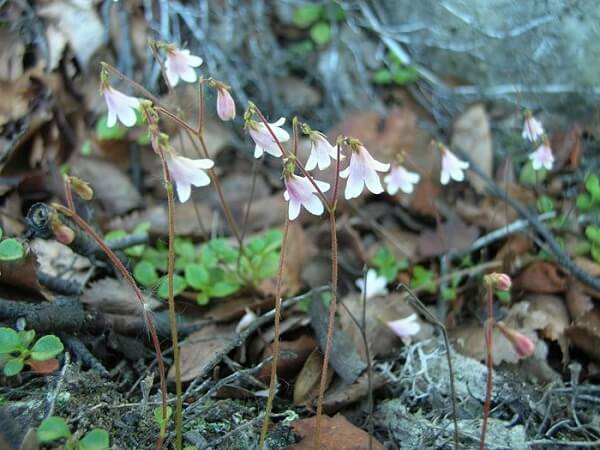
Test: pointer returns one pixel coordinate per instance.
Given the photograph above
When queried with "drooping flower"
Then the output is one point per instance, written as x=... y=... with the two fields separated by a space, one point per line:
x=263 y=139
x=225 y=104
x=409 y=326
x=532 y=128
x=180 y=64
x=321 y=152
x=542 y=157
x=375 y=284
x=452 y=167
x=301 y=192
x=120 y=106
x=401 y=179
x=362 y=171
x=523 y=345
x=186 y=172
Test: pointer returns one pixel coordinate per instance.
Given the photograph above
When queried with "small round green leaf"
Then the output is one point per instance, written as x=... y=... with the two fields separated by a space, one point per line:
x=383 y=76
x=593 y=233
x=530 y=177
x=223 y=289
x=545 y=204
x=104 y=132
x=53 y=428
x=179 y=285
x=592 y=184
x=584 y=202
x=321 y=33
x=26 y=337
x=9 y=340
x=158 y=415
x=202 y=298
x=197 y=276
x=11 y=250
x=13 y=366
x=306 y=15
x=97 y=439
x=145 y=273
x=46 y=347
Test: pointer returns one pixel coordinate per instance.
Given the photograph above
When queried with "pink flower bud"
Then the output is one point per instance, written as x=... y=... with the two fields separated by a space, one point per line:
x=500 y=281
x=225 y=104
x=522 y=344
x=62 y=233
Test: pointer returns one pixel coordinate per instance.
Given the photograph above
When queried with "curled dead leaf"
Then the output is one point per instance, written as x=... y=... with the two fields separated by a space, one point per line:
x=542 y=277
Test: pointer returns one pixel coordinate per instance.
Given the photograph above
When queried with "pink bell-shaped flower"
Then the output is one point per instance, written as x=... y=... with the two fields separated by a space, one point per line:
x=401 y=179
x=409 y=326
x=373 y=283
x=225 y=104
x=301 y=192
x=452 y=167
x=542 y=157
x=186 y=172
x=532 y=128
x=181 y=64
x=264 y=140
x=120 y=106
x=362 y=171
x=321 y=152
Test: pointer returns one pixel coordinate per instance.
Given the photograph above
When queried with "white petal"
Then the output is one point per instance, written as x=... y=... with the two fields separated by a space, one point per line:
x=199 y=178
x=314 y=205
x=274 y=151
x=373 y=183
x=311 y=163
x=344 y=173
x=322 y=185
x=203 y=163
x=258 y=151
x=457 y=174
x=445 y=177
x=294 y=209
x=194 y=61
x=184 y=191
x=172 y=76
x=279 y=122
x=127 y=116
x=354 y=187
x=111 y=120
x=281 y=134
x=189 y=75
x=286 y=195
x=380 y=167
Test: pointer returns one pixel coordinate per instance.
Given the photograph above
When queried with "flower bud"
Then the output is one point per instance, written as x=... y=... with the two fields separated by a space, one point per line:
x=225 y=104
x=82 y=188
x=500 y=281
x=522 y=344
x=62 y=233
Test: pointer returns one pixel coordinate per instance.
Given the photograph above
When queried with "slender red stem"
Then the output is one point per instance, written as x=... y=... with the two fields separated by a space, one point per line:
x=489 y=326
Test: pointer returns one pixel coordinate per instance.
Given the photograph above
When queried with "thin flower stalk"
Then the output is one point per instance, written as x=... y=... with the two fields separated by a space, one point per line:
x=114 y=259
x=489 y=326
x=157 y=145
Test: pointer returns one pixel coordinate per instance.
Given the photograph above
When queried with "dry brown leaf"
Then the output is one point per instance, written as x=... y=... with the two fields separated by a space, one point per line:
x=471 y=134
x=423 y=198
x=112 y=188
x=578 y=302
x=566 y=147
x=306 y=386
x=543 y=278
x=22 y=274
x=553 y=311
x=585 y=334
x=516 y=245
x=200 y=348
x=44 y=367
x=336 y=434
x=115 y=296
x=291 y=358
x=341 y=395
x=452 y=235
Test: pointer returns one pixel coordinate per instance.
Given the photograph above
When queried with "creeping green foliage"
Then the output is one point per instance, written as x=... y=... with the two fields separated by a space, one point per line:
x=54 y=428
x=387 y=265
x=16 y=349
x=545 y=204
x=11 y=250
x=423 y=278
x=161 y=420
x=591 y=197
x=395 y=72
x=318 y=19
x=530 y=177
x=592 y=232
x=450 y=292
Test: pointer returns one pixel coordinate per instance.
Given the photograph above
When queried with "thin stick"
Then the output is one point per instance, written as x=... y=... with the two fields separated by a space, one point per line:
x=489 y=326
x=277 y=320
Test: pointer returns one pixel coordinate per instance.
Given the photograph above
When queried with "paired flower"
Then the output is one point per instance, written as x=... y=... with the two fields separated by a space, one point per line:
x=373 y=283
x=362 y=171
x=403 y=328
x=180 y=64
x=225 y=103
x=542 y=157
x=321 y=152
x=120 y=106
x=186 y=172
x=532 y=128
x=452 y=167
x=263 y=139
x=401 y=179
x=523 y=345
x=301 y=192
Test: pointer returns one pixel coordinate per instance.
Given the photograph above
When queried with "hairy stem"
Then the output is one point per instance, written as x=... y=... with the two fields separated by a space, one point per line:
x=489 y=326
x=275 y=353
x=114 y=259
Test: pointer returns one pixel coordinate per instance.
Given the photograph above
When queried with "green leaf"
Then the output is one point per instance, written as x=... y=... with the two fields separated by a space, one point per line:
x=158 y=416
x=592 y=184
x=423 y=278
x=52 y=428
x=185 y=248
x=449 y=294
x=584 y=202
x=595 y=251
x=179 y=286
x=11 y=250
x=103 y=132
x=202 y=299
x=383 y=76
x=503 y=296
x=593 y=233
x=306 y=15
x=26 y=337
x=9 y=340
x=208 y=256
x=1 y=232
x=301 y=50
x=144 y=139
x=224 y=250
x=13 y=366
x=321 y=33
x=545 y=204
x=197 y=276
x=531 y=177
x=159 y=259
x=223 y=289
x=115 y=235
x=145 y=273
x=404 y=75
x=46 y=347
x=268 y=267
x=96 y=439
